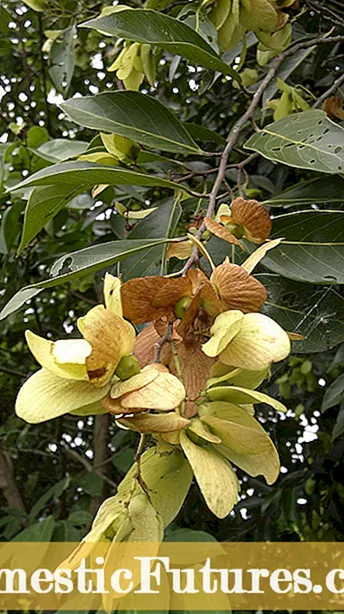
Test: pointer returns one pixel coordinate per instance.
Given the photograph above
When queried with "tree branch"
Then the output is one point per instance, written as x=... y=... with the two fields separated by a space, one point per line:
x=8 y=484
x=331 y=90
x=241 y=122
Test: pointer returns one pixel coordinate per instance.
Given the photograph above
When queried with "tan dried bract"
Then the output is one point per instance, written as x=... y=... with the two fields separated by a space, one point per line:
x=254 y=218
x=222 y=232
x=149 y=298
x=333 y=107
x=237 y=289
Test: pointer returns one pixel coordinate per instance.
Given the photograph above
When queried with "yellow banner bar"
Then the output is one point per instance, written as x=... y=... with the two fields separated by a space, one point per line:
x=171 y=576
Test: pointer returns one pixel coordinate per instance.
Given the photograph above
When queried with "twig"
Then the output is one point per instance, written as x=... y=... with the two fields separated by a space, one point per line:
x=241 y=122
x=158 y=345
x=336 y=85
x=88 y=466
x=12 y=372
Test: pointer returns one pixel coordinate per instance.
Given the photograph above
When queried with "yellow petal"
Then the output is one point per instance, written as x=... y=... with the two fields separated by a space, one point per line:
x=239 y=377
x=147 y=375
x=163 y=393
x=111 y=338
x=238 y=431
x=266 y=463
x=201 y=430
x=71 y=351
x=168 y=478
x=93 y=409
x=258 y=255
x=112 y=294
x=43 y=351
x=259 y=342
x=243 y=396
x=146 y=522
x=216 y=479
x=44 y=396
x=224 y=329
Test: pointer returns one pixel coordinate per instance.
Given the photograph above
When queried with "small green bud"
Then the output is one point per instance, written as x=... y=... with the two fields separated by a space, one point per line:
x=127 y=367
x=182 y=305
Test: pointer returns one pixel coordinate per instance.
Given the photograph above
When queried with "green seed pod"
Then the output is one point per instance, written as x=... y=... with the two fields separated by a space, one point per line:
x=127 y=367
x=182 y=305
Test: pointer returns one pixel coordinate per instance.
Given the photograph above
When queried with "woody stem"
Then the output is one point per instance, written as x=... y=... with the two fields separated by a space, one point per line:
x=239 y=125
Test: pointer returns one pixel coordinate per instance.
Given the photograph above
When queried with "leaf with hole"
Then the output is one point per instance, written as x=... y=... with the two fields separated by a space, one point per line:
x=312 y=249
x=307 y=140
x=317 y=191
x=89 y=174
x=147 y=26
x=135 y=116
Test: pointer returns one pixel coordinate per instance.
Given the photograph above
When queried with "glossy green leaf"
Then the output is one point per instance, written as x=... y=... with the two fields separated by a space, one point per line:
x=135 y=116
x=146 y=26
x=90 y=174
x=316 y=191
x=62 y=60
x=312 y=249
x=334 y=393
x=58 y=150
x=203 y=134
x=44 y=203
x=77 y=264
x=306 y=140
x=315 y=312
x=163 y=221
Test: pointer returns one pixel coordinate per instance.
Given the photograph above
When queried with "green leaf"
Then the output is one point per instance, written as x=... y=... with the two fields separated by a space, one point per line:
x=90 y=174
x=77 y=264
x=62 y=59
x=91 y=483
x=54 y=491
x=135 y=116
x=203 y=134
x=43 y=204
x=163 y=221
x=58 y=150
x=338 y=428
x=313 y=249
x=10 y=226
x=316 y=191
x=189 y=535
x=38 y=532
x=306 y=140
x=334 y=393
x=146 y=26
x=315 y=312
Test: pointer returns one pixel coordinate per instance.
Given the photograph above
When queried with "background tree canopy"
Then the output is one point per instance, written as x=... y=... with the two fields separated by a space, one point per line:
x=260 y=117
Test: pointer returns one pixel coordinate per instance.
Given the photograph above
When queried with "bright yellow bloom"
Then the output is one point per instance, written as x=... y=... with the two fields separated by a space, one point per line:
x=76 y=373
x=249 y=341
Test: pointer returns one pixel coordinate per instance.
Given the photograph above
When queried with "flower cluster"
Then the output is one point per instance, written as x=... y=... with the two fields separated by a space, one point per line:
x=188 y=379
